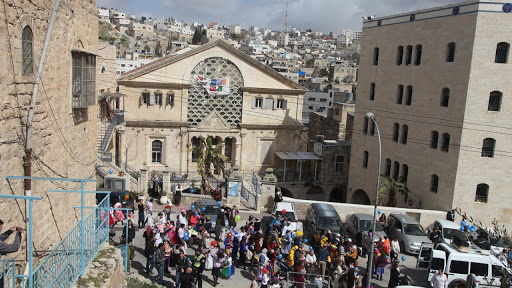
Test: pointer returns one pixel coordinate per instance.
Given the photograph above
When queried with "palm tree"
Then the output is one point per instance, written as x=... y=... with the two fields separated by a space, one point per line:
x=209 y=157
x=390 y=189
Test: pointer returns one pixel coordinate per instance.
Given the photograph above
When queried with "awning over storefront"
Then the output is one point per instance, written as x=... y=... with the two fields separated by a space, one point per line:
x=298 y=156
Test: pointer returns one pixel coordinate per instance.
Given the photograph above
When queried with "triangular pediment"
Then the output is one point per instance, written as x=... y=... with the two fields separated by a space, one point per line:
x=214 y=121
x=177 y=69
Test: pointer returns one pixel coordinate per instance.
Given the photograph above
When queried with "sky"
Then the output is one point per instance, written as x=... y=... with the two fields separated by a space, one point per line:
x=319 y=15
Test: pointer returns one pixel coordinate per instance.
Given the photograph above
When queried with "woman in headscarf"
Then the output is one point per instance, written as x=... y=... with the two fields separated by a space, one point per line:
x=118 y=214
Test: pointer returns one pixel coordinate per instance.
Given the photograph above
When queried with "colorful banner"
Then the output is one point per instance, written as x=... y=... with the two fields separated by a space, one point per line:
x=217 y=86
x=233 y=189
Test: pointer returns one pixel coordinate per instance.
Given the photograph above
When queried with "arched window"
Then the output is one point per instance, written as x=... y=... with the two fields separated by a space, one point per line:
x=405 y=130
x=376 y=56
x=434 y=138
x=434 y=183
x=446 y=142
x=365 y=125
x=365 y=159
x=501 y=52
x=399 y=55
x=102 y=70
x=156 y=151
x=408 y=100
x=488 y=147
x=450 y=52
x=417 y=59
x=408 y=55
x=387 y=170
x=396 y=170
x=405 y=172
x=195 y=146
x=26 y=51
x=372 y=128
x=372 y=91
x=400 y=94
x=445 y=97
x=396 y=126
x=494 y=101
x=482 y=193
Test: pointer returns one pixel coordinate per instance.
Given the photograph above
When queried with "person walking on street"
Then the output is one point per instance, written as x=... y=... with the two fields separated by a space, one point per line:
x=395 y=249
x=181 y=266
x=471 y=281
x=232 y=214
x=323 y=256
x=199 y=261
x=149 y=207
x=219 y=225
x=439 y=280
x=394 y=278
x=218 y=263
x=141 y=208
x=188 y=278
x=159 y=263
x=150 y=251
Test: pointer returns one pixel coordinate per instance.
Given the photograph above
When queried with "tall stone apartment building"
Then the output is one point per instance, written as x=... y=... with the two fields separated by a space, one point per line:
x=64 y=126
x=437 y=81
x=167 y=109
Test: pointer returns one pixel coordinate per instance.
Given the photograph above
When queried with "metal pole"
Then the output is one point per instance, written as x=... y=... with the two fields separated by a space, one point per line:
x=29 y=247
x=126 y=239
x=82 y=232
x=370 y=260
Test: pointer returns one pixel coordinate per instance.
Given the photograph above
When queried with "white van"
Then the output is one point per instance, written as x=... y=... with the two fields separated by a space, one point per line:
x=457 y=264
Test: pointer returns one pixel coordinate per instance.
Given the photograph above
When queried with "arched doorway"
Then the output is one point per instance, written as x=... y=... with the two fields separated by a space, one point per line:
x=315 y=193
x=286 y=192
x=338 y=195
x=360 y=197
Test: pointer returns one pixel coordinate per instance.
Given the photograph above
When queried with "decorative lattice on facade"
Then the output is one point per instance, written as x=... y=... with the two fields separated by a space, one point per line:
x=200 y=104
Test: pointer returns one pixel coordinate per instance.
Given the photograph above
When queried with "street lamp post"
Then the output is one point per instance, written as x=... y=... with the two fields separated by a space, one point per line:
x=371 y=116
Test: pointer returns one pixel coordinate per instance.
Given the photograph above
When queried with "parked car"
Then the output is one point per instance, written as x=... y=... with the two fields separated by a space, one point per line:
x=290 y=214
x=488 y=240
x=322 y=216
x=448 y=230
x=362 y=222
x=211 y=209
x=122 y=196
x=457 y=264
x=408 y=231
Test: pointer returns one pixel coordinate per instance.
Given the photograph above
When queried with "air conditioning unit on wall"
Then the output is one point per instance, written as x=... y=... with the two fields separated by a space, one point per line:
x=413 y=202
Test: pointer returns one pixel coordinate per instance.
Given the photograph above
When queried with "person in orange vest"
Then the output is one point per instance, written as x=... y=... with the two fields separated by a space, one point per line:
x=387 y=245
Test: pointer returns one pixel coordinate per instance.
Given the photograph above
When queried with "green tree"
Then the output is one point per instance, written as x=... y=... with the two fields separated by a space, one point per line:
x=158 y=49
x=196 y=38
x=390 y=189
x=147 y=49
x=124 y=41
x=209 y=157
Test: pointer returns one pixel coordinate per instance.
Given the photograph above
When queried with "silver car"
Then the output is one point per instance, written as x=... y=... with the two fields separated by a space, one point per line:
x=408 y=231
x=362 y=222
x=211 y=209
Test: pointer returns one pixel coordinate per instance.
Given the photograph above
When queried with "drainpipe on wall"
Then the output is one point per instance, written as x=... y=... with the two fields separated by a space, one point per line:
x=27 y=159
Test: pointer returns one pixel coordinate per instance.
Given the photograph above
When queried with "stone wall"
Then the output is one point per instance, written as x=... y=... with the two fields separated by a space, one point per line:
x=106 y=270
x=61 y=137
x=320 y=125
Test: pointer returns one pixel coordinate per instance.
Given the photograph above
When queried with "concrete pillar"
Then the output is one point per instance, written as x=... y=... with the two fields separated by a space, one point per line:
x=144 y=178
x=268 y=188
x=235 y=177
x=166 y=180
x=237 y=155
x=240 y=151
x=184 y=144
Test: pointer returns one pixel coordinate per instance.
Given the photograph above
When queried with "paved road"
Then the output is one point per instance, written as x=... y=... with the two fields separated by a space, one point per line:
x=243 y=278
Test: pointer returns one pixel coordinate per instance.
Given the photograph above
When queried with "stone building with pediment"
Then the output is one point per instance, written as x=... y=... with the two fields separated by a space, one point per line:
x=167 y=108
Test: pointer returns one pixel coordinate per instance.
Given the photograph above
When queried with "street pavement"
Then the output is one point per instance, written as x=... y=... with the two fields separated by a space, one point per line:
x=243 y=278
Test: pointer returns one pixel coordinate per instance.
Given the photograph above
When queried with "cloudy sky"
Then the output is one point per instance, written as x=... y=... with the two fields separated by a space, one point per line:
x=320 y=15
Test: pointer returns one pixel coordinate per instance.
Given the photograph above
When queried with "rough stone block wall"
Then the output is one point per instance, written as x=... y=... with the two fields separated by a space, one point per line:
x=62 y=138
x=319 y=125
x=349 y=128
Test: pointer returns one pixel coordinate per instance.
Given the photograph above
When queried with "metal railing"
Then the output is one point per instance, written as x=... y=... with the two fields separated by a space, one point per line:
x=62 y=267
x=124 y=253
x=250 y=197
x=309 y=280
x=128 y=169
x=7 y=273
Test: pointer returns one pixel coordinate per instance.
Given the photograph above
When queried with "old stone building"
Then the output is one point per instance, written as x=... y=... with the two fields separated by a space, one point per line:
x=437 y=82
x=64 y=126
x=167 y=108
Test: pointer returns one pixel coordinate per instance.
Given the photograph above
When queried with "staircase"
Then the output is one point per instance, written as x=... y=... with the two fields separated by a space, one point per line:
x=107 y=136
x=102 y=170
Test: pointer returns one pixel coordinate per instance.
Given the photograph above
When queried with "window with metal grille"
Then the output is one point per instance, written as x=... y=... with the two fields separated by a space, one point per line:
x=195 y=147
x=396 y=126
x=145 y=98
x=339 y=163
x=434 y=183
x=408 y=55
x=400 y=94
x=396 y=170
x=170 y=99
x=365 y=125
x=488 y=147
x=156 y=151
x=482 y=192
x=501 y=52
x=27 y=57
x=434 y=138
x=446 y=142
x=387 y=169
x=445 y=97
x=417 y=60
x=450 y=52
x=405 y=172
x=405 y=130
x=372 y=91
x=399 y=55
x=365 y=159
x=408 y=101
x=158 y=98
x=376 y=56
x=494 y=101
x=259 y=103
x=84 y=80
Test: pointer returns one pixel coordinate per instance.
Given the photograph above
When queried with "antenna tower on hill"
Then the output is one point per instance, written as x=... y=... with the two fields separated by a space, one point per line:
x=286 y=18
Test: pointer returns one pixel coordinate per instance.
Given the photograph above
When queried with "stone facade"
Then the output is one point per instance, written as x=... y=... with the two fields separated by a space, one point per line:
x=471 y=75
x=62 y=138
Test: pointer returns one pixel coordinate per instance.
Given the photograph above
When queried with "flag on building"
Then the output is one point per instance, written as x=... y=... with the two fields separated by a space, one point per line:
x=216 y=86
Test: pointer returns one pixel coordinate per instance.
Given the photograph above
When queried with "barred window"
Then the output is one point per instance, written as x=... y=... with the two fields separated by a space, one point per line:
x=156 y=151
x=501 y=52
x=84 y=79
x=488 y=147
x=400 y=94
x=396 y=170
x=417 y=60
x=376 y=56
x=494 y=101
x=405 y=172
x=434 y=183
x=408 y=101
x=339 y=163
x=408 y=55
x=446 y=142
x=482 y=192
x=387 y=169
x=445 y=97
x=396 y=126
x=372 y=91
x=399 y=55
x=405 y=130
x=195 y=146
x=434 y=138
x=27 y=55
x=365 y=125
x=450 y=52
